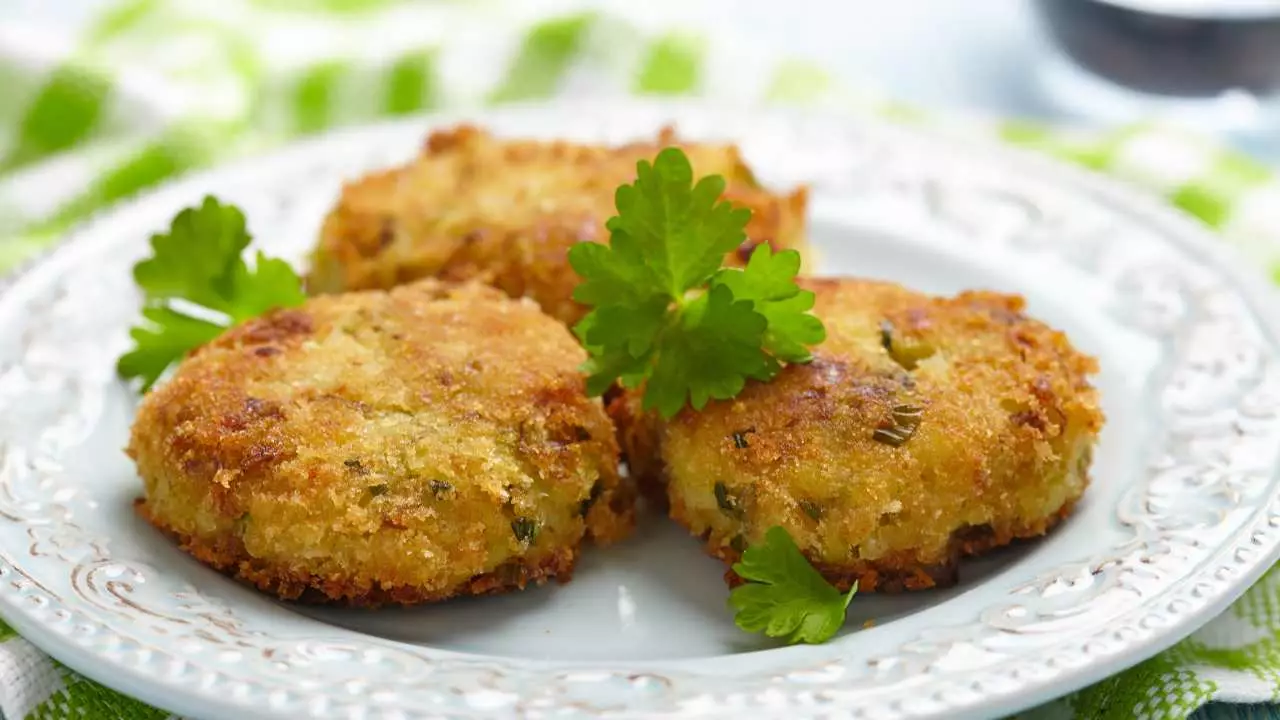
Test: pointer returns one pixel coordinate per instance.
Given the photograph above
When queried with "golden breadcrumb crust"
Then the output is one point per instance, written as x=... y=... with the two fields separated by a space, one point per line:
x=376 y=447
x=506 y=212
x=1007 y=420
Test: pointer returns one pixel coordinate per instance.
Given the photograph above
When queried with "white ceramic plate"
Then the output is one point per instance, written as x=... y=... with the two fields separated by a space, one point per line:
x=1182 y=515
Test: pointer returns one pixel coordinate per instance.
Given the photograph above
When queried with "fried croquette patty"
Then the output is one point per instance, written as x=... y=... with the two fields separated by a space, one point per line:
x=924 y=429
x=506 y=212
x=376 y=447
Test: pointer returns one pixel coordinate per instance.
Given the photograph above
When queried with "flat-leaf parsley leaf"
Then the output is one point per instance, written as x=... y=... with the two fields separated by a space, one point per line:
x=784 y=596
x=196 y=284
x=665 y=315
x=769 y=280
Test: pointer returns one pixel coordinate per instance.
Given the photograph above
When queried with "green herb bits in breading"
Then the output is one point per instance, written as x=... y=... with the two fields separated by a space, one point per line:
x=372 y=473
x=881 y=474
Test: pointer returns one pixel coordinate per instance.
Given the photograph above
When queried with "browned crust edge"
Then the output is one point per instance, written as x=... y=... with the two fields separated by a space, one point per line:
x=228 y=555
x=902 y=571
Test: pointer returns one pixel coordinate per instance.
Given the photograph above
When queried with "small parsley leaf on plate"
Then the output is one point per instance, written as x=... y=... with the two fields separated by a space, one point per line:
x=665 y=315
x=196 y=284
x=784 y=596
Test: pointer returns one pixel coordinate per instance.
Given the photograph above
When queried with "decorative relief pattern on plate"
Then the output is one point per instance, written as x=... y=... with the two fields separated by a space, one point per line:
x=1200 y=515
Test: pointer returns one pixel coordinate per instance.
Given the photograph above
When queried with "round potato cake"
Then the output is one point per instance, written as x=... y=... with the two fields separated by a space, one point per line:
x=474 y=206
x=384 y=447
x=924 y=429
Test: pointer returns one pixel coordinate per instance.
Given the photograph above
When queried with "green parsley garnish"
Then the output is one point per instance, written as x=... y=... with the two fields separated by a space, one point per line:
x=664 y=312
x=196 y=284
x=784 y=596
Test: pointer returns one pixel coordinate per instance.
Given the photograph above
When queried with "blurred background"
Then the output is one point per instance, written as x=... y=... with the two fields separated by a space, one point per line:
x=1019 y=58
x=100 y=99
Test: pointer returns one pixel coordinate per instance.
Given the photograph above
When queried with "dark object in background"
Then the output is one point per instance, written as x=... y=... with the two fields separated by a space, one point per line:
x=1183 y=50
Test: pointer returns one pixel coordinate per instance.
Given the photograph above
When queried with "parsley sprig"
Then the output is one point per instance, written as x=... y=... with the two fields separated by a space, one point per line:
x=666 y=315
x=784 y=596
x=196 y=284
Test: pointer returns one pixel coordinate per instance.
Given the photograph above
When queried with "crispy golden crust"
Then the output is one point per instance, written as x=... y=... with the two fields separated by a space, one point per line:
x=901 y=571
x=227 y=554
x=1007 y=424
x=506 y=212
x=384 y=447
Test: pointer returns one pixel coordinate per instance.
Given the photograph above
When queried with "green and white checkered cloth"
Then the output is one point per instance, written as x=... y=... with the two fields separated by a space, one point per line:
x=155 y=88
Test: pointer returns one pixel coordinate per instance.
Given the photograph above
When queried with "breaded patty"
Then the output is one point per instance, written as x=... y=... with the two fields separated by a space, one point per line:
x=376 y=447
x=506 y=212
x=924 y=429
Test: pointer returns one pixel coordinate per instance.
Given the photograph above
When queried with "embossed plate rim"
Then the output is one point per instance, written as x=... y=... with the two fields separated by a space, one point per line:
x=1190 y=239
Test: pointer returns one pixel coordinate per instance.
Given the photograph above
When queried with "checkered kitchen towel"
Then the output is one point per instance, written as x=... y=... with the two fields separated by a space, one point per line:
x=154 y=88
